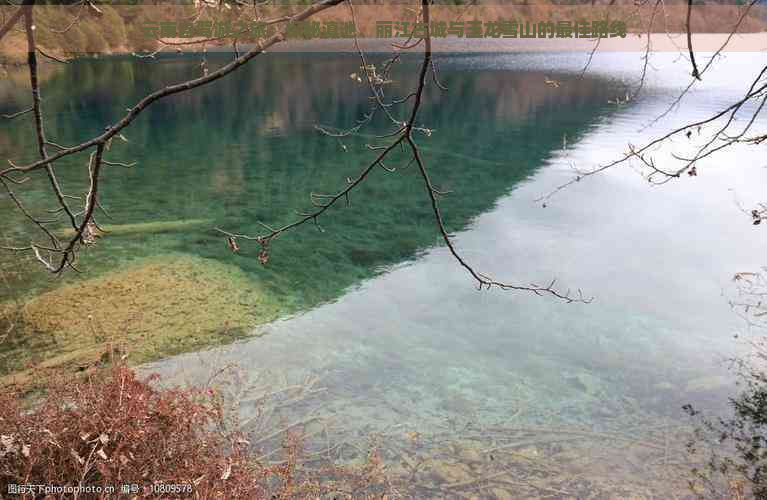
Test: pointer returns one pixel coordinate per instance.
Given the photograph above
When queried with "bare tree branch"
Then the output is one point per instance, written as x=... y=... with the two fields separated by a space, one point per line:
x=11 y=22
x=404 y=135
x=757 y=92
x=695 y=73
x=36 y=107
x=17 y=114
x=708 y=65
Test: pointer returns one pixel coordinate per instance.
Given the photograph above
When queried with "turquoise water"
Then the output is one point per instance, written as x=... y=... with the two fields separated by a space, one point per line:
x=399 y=337
x=246 y=150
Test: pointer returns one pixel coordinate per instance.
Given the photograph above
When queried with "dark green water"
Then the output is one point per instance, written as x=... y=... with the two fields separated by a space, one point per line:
x=245 y=150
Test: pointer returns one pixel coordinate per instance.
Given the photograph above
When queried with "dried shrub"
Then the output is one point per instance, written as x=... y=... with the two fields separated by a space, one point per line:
x=119 y=430
x=735 y=443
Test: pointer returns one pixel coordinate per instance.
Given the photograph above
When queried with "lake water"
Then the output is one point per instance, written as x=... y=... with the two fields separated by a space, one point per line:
x=404 y=346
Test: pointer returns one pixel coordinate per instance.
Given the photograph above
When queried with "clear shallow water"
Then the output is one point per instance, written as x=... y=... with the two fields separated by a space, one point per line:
x=405 y=339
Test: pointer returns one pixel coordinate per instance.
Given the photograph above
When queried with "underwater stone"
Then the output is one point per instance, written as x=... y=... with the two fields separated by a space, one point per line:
x=705 y=384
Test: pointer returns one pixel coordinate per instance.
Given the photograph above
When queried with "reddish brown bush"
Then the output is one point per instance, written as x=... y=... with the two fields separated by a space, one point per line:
x=122 y=431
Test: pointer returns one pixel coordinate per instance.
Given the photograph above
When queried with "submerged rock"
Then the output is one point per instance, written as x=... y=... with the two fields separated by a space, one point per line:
x=469 y=454
x=452 y=473
x=664 y=386
x=501 y=494
x=705 y=384
x=586 y=382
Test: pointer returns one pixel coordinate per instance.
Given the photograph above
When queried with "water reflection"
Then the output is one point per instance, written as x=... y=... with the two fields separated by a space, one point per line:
x=246 y=150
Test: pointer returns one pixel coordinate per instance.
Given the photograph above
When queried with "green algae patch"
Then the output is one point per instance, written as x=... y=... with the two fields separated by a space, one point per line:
x=154 y=308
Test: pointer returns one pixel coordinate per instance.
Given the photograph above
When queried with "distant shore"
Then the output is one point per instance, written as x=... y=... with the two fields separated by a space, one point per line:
x=660 y=42
x=121 y=29
x=633 y=42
